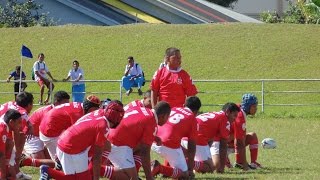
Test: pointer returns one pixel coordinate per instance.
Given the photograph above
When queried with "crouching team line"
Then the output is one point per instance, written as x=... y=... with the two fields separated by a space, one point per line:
x=104 y=139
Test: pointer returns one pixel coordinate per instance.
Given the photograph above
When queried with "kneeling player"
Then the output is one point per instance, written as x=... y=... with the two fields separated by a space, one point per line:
x=214 y=128
x=181 y=123
x=90 y=131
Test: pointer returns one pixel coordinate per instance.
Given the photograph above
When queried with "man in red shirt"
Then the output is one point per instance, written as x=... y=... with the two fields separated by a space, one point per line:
x=24 y=104
x=242 y=138
x=145 y=102
x=181 y=123
x=214 y=128
x=34 y=147
x=62 y=117
x=90 y=131
x=171 y=83
x=11 y=121
x=138 y=127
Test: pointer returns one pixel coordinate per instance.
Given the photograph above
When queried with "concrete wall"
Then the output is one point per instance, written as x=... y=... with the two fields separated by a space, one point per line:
x=254 y=7
x=64 y=14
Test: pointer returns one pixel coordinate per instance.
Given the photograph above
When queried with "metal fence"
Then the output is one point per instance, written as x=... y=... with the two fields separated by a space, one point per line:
x=260 y=88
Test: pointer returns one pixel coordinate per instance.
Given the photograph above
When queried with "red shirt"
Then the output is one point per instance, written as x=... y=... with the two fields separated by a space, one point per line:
x=173 y=86
x=239 y=126
x=212 y=126
x=181 y=123
x=139 y=125
x=136 y=103
x=60 y=118
x=24 y=114
x=36 y=118
x=92 y=129
x=4 y=133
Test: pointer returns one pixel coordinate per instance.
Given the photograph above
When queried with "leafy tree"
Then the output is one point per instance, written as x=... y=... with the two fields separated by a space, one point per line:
x=225 y=3
x=23 y=14
x=300 y=12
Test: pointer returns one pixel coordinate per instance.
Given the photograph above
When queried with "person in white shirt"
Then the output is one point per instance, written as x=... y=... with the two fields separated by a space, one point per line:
x=78 y=86
x=133 y=77
x=40 y=72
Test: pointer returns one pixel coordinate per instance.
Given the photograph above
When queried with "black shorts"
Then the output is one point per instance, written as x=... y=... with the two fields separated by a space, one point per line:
x=16 y=86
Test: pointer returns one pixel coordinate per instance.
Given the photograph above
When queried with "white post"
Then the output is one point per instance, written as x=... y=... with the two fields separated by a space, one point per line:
x=121 y=91
x=262 y=95
x=20 y=76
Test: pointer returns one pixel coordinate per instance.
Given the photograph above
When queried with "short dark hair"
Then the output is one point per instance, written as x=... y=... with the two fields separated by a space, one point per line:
x=11 y=114
x=147 y=93
x=23 y=99
x=60 y=95
x=18 y=68
x=75 y=61
x=40 y=54
x=162 y=107
x=171 y=51
x=232 y=107
x=131 y=58
x=193 y=103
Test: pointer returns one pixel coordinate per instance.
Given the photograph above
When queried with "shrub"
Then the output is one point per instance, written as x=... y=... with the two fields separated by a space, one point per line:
x=23 y=14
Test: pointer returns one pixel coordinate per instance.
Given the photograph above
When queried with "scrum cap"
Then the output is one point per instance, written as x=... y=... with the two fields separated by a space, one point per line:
x=247 y=101
x=114 y=112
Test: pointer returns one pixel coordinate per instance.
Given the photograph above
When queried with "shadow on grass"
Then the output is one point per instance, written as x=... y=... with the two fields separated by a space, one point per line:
x=268 y=170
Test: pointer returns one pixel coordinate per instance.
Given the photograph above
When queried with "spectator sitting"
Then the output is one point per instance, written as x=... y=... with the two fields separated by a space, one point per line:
x=132 y=77
x=40 y=71
x=16 y=76
x=78 y=88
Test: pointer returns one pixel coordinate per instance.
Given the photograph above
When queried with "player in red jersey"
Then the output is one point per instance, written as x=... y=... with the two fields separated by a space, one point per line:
x=34 y=147
x=138 y=127
x=171 y=83
x=145 y=102
x=214 y=128
x=61 y=117
x=90 y=131
x=11 y=121
x=181 y=123
x=24 y=104
x=242 y=138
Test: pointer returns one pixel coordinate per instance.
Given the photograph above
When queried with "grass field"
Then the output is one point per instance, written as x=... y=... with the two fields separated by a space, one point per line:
x=296 y=157
x=212 y=51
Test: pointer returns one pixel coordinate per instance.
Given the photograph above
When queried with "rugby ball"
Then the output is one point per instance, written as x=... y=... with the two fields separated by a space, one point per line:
x=268 y=143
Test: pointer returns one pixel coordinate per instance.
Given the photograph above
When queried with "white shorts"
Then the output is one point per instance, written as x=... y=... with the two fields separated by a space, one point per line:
x=175 y=157
x=73 y=163
x=215 y=147
x=121 y=157
x=33 y=145
x=50 y=143
x=202 y=152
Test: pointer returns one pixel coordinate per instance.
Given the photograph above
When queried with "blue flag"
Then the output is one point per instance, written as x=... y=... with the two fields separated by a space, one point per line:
x=26 y=52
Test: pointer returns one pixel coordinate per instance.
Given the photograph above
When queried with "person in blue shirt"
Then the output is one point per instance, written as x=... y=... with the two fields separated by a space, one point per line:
x=16 y=76
x=78 y=86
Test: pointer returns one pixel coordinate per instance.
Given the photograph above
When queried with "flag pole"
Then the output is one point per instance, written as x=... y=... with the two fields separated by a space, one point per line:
x=20 y=75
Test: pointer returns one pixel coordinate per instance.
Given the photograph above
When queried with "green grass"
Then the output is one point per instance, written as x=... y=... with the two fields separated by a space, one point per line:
x=212 y=51
x=296 y=156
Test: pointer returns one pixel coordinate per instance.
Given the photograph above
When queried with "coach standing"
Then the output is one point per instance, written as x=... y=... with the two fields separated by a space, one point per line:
x=171 y=83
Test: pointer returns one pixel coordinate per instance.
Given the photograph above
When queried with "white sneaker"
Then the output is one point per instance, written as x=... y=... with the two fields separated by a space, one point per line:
x=255 y=165
x=23 y=176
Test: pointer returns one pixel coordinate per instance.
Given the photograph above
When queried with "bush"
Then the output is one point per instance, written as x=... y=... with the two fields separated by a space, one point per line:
x=301 y=12
x=23 y=14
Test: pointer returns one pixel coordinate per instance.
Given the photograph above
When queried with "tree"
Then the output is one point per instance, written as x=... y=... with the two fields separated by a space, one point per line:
x=225 y=3
x=23 y=14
